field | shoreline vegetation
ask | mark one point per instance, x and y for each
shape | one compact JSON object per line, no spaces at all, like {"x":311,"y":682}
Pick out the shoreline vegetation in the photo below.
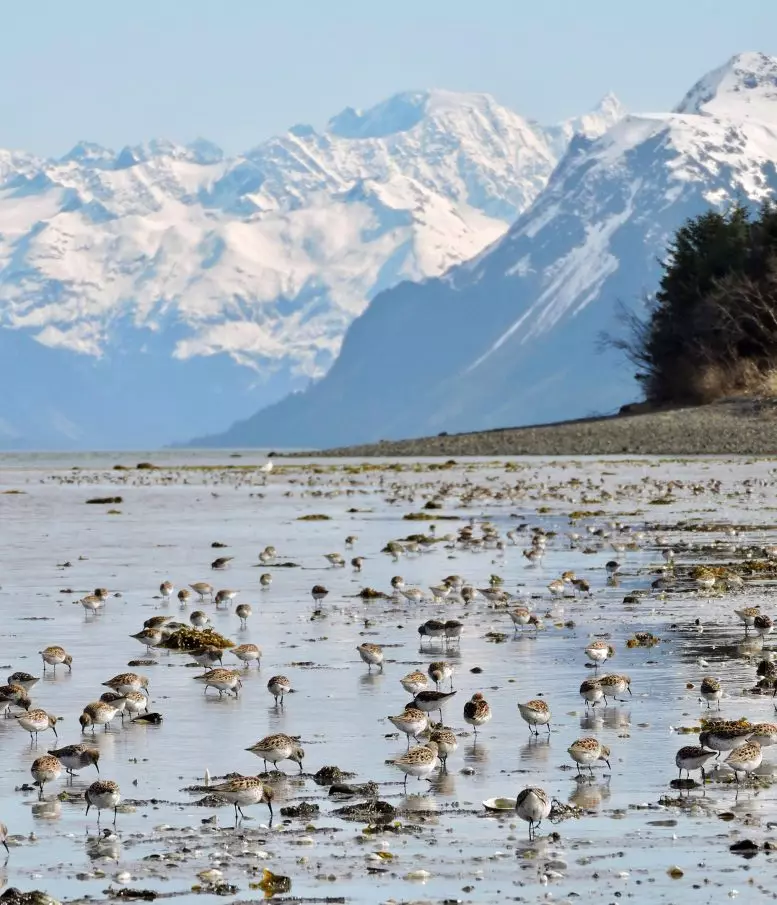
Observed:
{"x":738,"y":426}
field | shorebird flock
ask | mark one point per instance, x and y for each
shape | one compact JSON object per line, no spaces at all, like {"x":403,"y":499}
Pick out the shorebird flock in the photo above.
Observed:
{"x":438,"y":713}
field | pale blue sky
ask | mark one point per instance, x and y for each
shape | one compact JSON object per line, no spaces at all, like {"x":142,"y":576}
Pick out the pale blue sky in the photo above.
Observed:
{"x":236,"y":71}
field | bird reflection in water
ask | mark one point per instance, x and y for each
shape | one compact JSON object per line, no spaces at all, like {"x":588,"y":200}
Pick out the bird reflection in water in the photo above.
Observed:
{"x":106,"y":845}
{"x":589,"y":795}
{"x":537,"y":749}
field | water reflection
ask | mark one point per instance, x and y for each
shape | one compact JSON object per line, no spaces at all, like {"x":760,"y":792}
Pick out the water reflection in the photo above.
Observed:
{"x":47,"y":809}
{"x":589,"y":794}
{"x":106,"y":846}
{"x":444,"y":784}
{"x":476,"y":753}
{"x":536,"y":750}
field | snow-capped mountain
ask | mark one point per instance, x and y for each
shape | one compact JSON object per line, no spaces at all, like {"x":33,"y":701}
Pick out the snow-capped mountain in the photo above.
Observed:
{"x":510,"y":337}
{"x":166,"y":290}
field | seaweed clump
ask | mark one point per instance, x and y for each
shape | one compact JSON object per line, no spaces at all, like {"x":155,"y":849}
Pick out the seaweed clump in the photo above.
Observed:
{"x":191,"y":638}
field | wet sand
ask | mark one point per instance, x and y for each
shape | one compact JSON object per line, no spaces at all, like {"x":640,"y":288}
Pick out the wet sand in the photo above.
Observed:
{"x":626,"y":827}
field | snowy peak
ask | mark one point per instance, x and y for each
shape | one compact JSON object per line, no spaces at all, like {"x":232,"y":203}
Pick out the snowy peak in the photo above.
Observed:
{"x":403,"y":112}
{"x":743,"y":88}
{"x":590,"y":125}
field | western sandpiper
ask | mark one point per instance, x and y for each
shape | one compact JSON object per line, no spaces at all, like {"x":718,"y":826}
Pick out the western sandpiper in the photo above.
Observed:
{"x":439,"y":671}
{"x":763,"y":624}
{"x":711,"y":691}
{"x":433,"y":701}
{"x":477,"y":711}
{"x":104,"y":795}
{"x":223,"y":680}
{"x":615,"y":684}
{"x":591,"y":691}
{"x":747,"y":615}
{"x":414,"y":682}
{"x":54,"y":655}
{"x":199,"y":619}
{"x":725,"y":736}
{"x":335,"y":559}
{"x":535,"y":713}
{"x":411,"y":721}
{"x":35,"y":721}
{"x":278,"y":686}
{"x":248,"y":653}
{"x":225,"y":596}
{"x":221,"y":562}
{"x":533,"y":806}
{"x":419,"y":762}
{"x":586,"y":751}
{"x":275,"y":748}
{"x":432,"y":628}
{"x":166,"y":590}
{"x":243,"y":611}
{"x":207,"y":656}
{"x":599,"y":651}
{"x":45,"y":769}
{"x":372,"y":654}
{"x":764,"y":733}
{"x":202,"y":588}
{"x":183,"y":596}
{"x":24,"y":679}
{"x":243,"y":791}
{"x":99,"y":713}
{"x":77,"y":757}
{"x":446,"y":742}
{"x":692,"y":757}
{"x":13,"y":696}
{"x":127,"y":681}
{"x":744,"y":759}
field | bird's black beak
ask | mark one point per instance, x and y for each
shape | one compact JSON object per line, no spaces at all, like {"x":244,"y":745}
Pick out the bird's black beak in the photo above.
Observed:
{"x":608,"y":764}
{"x":55,"y":731}
{"x":628,"y":688}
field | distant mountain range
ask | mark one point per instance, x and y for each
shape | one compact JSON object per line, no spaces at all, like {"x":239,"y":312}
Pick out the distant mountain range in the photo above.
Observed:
{"x":165,"y":291}
{"x":510,"y":336}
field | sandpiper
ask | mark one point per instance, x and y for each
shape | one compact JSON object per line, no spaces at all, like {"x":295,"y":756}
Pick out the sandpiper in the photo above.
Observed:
{"x":45,"y":769}
{"x":35,"y":721}
{"x":725,"y":736}
{"x":119,"y":701}
{"x":763,"y":624}
{"x":151,"y":637}
{"x":127,"y":681}
{"x":419,"y":762}
{"x":439,"y":671}
{"x":13,"y":696}
{"x":166,"y":590}
{"x":446,"y":742}
{"x":692,"y":757}
{"x":599,"y":651}
{"x":24,"y":679}
{"x":535,"y":713}
{"x":614,"y":684}
{"x":225,"y":596}
{"x":335,"y":559}
{"x":477,"y":711}
{"x":248,"y":653}
{"x":533,"y":806}
{"x":207,"y":656}
{"x":433,"y":701}
{"x":183,"y":596}
{"x":372,"y":654}
{"x":586,"y":751}
{"x":99,"y":713}
{"x":591,"y":691}
{"x":275,"y":748}
{"x":432,"y":628}
{"x":711,"y":691}
{"x":92,"y":603}
{"x":77,"y":757}
{"x":357,"y":562}
{"x":54,"y":655}
{"x":243,"y":611}
{"x":242,"y":791}
{"x":744,"y":759}
{"x":221,"y":562}
{"x":202,"y":588}
{"x":747,"y":615}
{"x":223,"y":680}
{"x":278,"y":686}
{"x":104,"y":795}
{"x":763,"y":733}
{"x":411,"y":721}
{"x":318,"y":592}
{"x":414,"y":682}
{"x":199,"y":619}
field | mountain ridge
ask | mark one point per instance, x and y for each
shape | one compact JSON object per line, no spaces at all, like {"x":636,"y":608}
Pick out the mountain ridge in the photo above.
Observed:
{"x":544,"y":292}
{"x":180,"y":255}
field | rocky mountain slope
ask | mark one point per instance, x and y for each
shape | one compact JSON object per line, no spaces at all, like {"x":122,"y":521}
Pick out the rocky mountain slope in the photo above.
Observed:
{"x":510,"y":337}
{"x":166,"y":290}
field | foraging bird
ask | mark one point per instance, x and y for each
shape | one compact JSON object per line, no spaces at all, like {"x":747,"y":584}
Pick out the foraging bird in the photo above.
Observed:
{"x":477,"y":711}
{"x":533,"y":806}
{"x":103,"y":795}
{"x":372,"y":654}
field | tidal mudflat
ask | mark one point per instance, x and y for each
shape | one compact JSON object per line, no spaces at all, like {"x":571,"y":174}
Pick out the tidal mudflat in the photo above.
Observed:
{"x":693,"y":540}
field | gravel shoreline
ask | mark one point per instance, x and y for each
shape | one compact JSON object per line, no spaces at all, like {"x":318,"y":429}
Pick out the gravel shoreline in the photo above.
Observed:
{"x":732,"y":427}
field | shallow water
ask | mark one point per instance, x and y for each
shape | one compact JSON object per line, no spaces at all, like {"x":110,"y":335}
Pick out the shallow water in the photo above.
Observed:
{"x":622,"y":843}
